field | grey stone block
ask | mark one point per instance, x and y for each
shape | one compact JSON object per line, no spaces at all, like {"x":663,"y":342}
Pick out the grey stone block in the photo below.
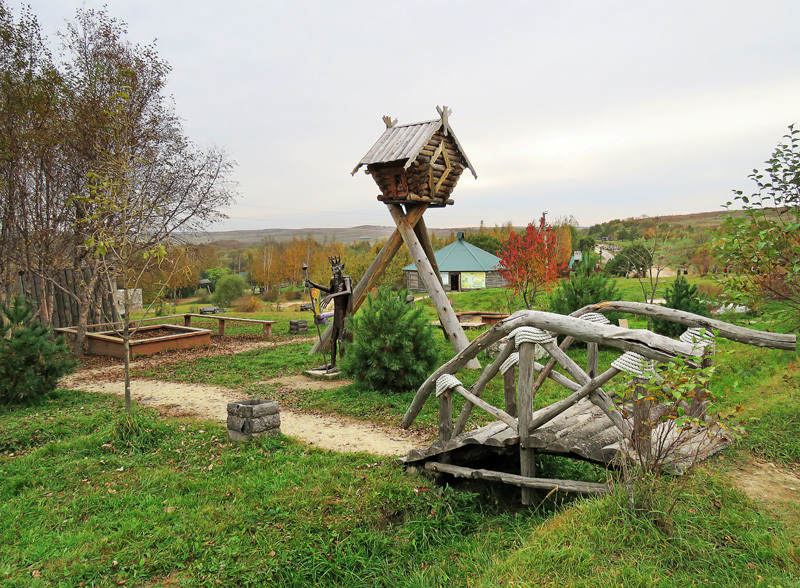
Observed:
{"x":255,"y":407}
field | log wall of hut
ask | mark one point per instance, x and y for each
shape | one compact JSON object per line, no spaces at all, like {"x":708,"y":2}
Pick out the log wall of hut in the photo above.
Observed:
{"x":413,"y":185}
{"x":59,"y":299}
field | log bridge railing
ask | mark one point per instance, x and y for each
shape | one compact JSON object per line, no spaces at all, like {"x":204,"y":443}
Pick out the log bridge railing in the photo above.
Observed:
{"x":528,"y":329}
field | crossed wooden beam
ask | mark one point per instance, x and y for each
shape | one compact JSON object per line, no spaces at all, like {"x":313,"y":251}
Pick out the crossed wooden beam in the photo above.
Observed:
{"x":411,"y":230}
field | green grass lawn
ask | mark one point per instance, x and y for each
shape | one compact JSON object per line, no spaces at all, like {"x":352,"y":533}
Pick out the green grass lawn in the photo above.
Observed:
{"x":92,"y":498}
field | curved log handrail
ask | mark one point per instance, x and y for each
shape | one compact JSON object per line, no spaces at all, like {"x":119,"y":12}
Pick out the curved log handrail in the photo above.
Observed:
{"x":641,"y":341}
{"x":721,"y":328}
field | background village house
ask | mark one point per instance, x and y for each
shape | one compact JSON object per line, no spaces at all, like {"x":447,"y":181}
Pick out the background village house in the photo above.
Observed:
{"x":462,"y":266}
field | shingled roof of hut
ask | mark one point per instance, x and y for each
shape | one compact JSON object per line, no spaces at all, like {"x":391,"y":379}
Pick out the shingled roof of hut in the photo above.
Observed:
{"x":405,"y":142}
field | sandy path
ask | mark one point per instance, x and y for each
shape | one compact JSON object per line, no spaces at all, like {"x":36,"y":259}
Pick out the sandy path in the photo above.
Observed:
{"x":210,"y":402}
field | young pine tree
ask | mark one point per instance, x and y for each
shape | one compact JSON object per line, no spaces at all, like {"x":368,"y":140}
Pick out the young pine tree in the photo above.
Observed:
{"x":31,"y":359}
{"x":680,"y":296}
{"x":394,"y":348}
{"x":584,"y":287}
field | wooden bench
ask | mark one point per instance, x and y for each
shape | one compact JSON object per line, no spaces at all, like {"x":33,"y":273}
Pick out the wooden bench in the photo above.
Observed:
{"x":211,"y":310}
{"x":187,"y":321}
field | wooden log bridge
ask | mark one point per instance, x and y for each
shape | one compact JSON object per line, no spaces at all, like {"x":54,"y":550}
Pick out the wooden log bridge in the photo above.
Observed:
{"x":588,"y":423}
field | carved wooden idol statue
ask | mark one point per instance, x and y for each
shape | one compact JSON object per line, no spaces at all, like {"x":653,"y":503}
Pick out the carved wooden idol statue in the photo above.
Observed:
{"x":340,"y":291}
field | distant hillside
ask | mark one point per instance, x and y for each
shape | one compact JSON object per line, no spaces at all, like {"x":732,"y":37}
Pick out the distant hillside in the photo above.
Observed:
{"x":370,"y":233}
{"x":698,"y":221}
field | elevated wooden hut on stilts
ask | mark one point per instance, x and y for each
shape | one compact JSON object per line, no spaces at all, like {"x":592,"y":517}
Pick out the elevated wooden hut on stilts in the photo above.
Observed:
{"x":416,"y":167}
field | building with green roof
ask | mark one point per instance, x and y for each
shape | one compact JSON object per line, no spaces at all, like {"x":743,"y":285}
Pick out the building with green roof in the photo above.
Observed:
{"x":463,"y":267}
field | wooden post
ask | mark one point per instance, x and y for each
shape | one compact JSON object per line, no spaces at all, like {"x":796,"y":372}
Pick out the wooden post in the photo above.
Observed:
{"x":267,"y":330}
{"x":591,"y":364}
{"x":641,"y":420}
{"x":373,"y":274}
{"x":433,"y":284}
{"x":527,"y":456}
{"x":700,"y":402}
{"x":221,"y":327}
{"x":187,"y":320}
{"x":446,"y":416}
{"x":510,"y":390}
{"x":421,"y":231}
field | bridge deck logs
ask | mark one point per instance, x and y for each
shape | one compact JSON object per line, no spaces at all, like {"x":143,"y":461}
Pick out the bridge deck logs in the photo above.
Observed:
{"x":583,"y":431}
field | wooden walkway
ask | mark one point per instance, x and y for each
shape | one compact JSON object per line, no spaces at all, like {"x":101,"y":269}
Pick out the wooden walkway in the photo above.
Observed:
{"x":582,"y":432}
{"x":588,"y":424}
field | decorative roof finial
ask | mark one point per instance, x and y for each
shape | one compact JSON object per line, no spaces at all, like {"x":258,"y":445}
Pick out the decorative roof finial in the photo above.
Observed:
{"x":444,"y":112}
{"x":388,"y":121}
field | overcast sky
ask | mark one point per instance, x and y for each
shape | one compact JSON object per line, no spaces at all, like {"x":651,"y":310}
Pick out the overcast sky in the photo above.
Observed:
{"x":598,"y":110}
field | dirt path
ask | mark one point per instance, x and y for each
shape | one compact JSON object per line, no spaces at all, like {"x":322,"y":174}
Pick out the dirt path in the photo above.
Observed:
{"x":210,"y":402}
{"x":772,"y":486}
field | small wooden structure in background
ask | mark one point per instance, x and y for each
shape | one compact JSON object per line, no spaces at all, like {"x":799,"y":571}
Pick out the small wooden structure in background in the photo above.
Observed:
{"x":416,"y":166}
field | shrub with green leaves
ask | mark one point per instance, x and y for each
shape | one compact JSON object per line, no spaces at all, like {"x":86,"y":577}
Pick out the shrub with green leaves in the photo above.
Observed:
{"x":31,"y":359}
{"x":394,"y":348}
{"x":229,"y":288}
{"x":680,"y":296}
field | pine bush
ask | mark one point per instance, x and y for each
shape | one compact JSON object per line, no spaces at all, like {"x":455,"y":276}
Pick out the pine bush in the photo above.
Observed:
{"x":31,"y":359}
{"x":394,"y":348}
{"x":584,"y":287}
{"x":680,"y":296}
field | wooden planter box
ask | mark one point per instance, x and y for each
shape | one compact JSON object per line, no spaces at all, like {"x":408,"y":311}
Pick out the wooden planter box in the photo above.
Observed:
{"x":164,"y":338}
{"x":489,"y":318}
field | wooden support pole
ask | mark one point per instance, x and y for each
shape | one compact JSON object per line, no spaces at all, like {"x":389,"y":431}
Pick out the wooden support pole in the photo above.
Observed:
{"x":510,"y":390}
{"x":433,"y":284}
{"x":374,"y":273}
{"x":446,"y":416}
{"x":697,"y":409}
{"x":592,"y":360}
{"x":527,"y":456}
{"x":187,"y":320}
{"x":221,"y":327}
{"x":421,"y":231}
{"x":641,"y":420}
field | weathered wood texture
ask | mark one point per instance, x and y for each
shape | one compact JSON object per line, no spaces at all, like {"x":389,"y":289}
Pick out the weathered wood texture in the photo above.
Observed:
{"x":646,"y":343}
{"x":721,"y":328}
{"x":525,"y":482}
{"x":433,"y":285}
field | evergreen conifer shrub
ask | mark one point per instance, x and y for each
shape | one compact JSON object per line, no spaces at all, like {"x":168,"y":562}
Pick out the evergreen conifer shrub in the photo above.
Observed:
{"x":680,"y":296}
{"x":31,"y":359}
{"x":584,"y":287}
{"x":394,"y":348}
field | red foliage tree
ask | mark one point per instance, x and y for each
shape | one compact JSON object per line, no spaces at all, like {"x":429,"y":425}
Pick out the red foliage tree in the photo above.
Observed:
{"x":527,"y":262}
